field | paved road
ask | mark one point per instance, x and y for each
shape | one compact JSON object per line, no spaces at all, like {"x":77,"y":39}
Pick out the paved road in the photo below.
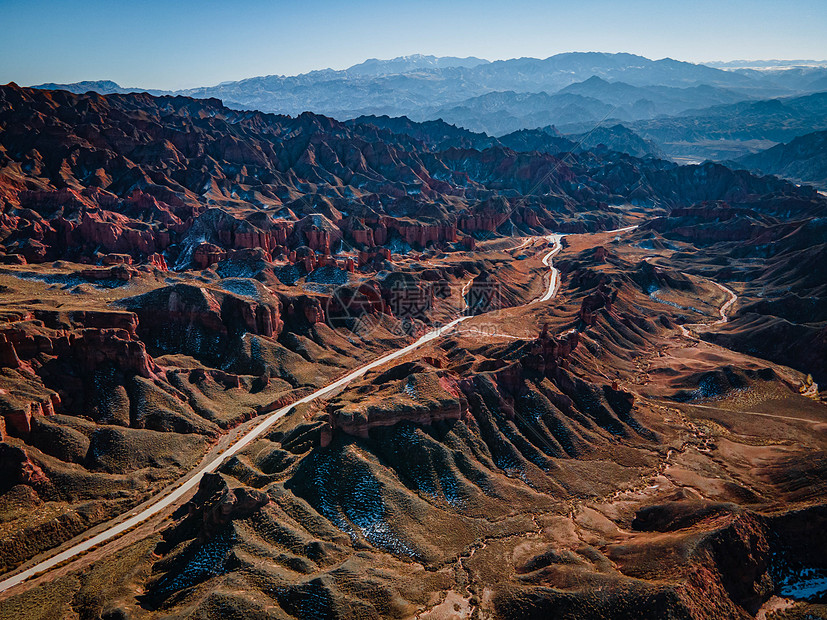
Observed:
{"x":212,"y":465}
{"x":554,"y":275}
{"x":194,"y":477}
{"x":619,"y":230}
{"x":723,"y":311}
{"x":554,"y":278}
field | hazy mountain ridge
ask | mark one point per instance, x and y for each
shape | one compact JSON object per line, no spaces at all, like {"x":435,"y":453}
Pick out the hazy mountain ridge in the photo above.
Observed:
{"x":686,"y":111}
{"x":403,"y":64}
{"x":439,"y":135}
{"x":731,"y":131}
{"x":803,"y":160}
{"x":447,"y":80}
{"x":102,"y":87}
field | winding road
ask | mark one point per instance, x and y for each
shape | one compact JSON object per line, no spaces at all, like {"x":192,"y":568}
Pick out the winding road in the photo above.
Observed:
{"x":723,"y":311}
{"x":193,"y":478}
{"x":164,"y":501}
{"x":557,"y":245}
{"x":554,"y":273}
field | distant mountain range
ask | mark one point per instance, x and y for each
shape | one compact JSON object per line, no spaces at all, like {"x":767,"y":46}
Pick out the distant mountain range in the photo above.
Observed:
{"x":404,"y":64}
{"x":684,"y":110}
{"x":426,"y":85}
{"x":734,"y":130}
{"x":103,"y":87}
{"x":803,"y":160}
{"x":590,"y":101}
{"x":439,"y":136}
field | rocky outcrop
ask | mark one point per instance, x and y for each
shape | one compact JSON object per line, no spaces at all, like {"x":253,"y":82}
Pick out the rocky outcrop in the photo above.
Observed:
{"x":158,"y":261}
{"x":803,"y":160}
{"x":374,"y":256}
{"x":17,"y":468}
{"x":601,"y":299}
{"x":200,"y":321}
{"x":92,"y":348}
{"x":318,"y":233}
{"x":425,"y":397}
{"x":8,"y":354}
{"x":306,"y":309}
{"x":18,"y":417}
{"x":215,"y":504}
{"x":116,"y":259}
{"x":708,"y":223}
{"x":548,"y":352}
{"x":118,"y":272}
{"x":207,"y":254}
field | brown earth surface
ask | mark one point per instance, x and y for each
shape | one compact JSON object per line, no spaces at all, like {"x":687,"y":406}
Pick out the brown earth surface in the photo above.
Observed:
{"x":648,"y":443}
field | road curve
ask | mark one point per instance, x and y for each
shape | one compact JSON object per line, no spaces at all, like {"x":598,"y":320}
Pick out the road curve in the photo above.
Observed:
{"x":723,"y":311}
{"x":725,"y":308}
{"x":554,"y":273}
{"x":619,"y":230}
{"x":765,"y":415}
{"x":554,"y":277}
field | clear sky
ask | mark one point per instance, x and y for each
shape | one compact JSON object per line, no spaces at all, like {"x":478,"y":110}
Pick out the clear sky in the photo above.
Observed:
{"x":186,"y":43}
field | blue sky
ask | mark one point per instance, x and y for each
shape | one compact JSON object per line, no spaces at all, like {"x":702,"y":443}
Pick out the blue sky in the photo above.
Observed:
{"x":155,"y":44}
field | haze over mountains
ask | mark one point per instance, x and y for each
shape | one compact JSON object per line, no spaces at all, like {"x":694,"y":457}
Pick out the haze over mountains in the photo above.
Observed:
{"x":690,"y":112}
{"x":803,"y":159}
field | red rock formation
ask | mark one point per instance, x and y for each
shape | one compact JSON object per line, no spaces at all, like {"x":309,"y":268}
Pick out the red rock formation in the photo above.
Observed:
{"x":380,"y":234}
{"x":548,"y":353}
{"x":94,"y":347}
{"x":207,"y":254}
{"x":158,"y":261}
{"x":488,"y":220}
{"x":363,"y":237}
{"x":202,"y":321}
{"x":27,"y":345}
{"x":12,"y":259}
{"x":374,"y":255}
{"x":255,"y":318}
{"x":101,"y":319}
{"x":425,"y":398}
{"x":116,"y":259}
{"x":603,"y":297}
{"x":16,"y":467}
{"x":421,"y":235}
{"x":117,"y":272}
{"x":215,"y":504}
{"x":19,"y":419}
{"x":8,"y":354}
{"x":112,"y":232}
{"x":529,"y":217}
{"x":34,"y":251}
{"x":306,"y":308}
{"x":227,"y":380}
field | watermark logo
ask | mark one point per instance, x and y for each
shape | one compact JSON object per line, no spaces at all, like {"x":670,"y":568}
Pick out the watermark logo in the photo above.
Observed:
{"x":408,"y":307}
{"x":483,"y":297}
{"x":359,"y":309}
